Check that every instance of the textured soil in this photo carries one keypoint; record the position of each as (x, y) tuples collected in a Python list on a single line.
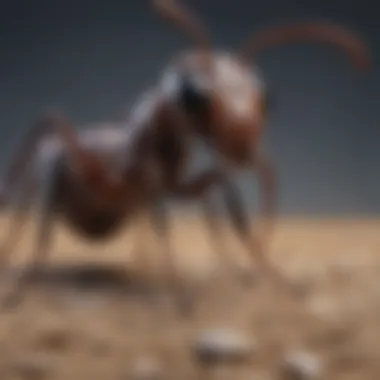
[(99, 310)]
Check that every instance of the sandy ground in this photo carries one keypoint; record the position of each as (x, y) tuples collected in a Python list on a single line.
[(64, 331)]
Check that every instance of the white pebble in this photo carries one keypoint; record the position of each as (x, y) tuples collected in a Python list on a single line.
[(146, 368), (301, 365), (33, 367), (323, 307), (223, 345)]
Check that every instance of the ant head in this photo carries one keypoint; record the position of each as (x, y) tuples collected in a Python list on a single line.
[(220, 91), (221, 95)]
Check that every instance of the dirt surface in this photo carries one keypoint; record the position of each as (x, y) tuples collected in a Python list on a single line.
[(91, 317)]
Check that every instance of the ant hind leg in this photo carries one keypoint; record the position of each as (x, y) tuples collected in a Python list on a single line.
[(45, 213)]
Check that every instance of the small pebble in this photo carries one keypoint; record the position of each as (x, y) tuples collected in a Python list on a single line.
[(100, 347), (223, 345), (55, 339), (334, 335), (258, 375), (341, 271), (146, 368), (32, 367), (301, 365), (80, 301), (323, 307)]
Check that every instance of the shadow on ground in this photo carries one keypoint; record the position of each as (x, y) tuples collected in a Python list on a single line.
[(104, 278)]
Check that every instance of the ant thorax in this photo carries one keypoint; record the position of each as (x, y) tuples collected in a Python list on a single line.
[(236, 85)]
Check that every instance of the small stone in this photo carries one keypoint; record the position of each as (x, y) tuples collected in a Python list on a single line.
[(301, 365), (341, 271), (33, 367), (54, 339), (100, 347), (323, 307), (303, 287), (349, 358), (258, 375), (334, 335), (223, 345), (146, 368)]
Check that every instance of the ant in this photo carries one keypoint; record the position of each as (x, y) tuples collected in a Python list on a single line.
[(95, 181), (96, 185), (216, 95)]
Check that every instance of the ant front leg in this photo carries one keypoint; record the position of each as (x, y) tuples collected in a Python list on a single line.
[(195, 189), (199, 188), (242, 224), (160, 219), (215, 229), (267, 177)]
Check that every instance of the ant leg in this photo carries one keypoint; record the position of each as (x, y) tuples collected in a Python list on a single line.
[(139, 249), (44, 224), (161, 224), (18, 221), (268, 192), (215, 231), (199, 187), (242, 227), (141, 256), (267, 177)]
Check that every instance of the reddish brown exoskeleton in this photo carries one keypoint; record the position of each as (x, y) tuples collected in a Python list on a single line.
[(95, 181), (219, 96), (98, 179)]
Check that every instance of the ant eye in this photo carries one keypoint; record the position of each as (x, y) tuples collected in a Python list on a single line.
[(193, 98)]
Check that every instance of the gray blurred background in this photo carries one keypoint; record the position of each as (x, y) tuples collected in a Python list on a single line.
[(93, 58)]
